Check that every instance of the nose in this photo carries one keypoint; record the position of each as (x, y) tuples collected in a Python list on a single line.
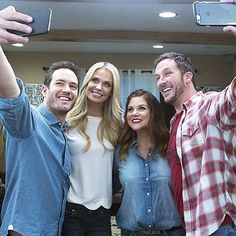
[(135, 111), (160, 81), (66, 89), (99, 86)]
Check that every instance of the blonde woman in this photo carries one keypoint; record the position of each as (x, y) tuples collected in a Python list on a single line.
[(94, 126)]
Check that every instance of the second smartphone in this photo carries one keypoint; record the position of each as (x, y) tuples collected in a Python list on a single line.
[(214, 13)]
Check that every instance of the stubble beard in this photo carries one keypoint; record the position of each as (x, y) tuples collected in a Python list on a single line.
[(60, 110), (175, 97), (171, 98)]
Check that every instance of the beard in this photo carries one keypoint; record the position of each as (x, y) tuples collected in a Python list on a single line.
[(178, 91), (57, 108), (171, 99), (59, 111)]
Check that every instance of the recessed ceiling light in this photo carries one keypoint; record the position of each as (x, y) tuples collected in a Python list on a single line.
[(158, 46), (167, 14), (18, 44)]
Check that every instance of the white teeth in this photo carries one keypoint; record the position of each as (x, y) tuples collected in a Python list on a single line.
[(167, 89), (64, 98), (136, 120), (97, 94)]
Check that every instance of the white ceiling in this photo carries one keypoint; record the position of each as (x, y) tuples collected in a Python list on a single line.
[(125, 26)]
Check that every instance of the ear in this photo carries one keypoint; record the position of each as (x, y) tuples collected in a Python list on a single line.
[(188, 77), (44, 90)]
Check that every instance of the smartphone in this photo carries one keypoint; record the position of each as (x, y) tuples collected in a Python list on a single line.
[(41, 22), (214, 13)]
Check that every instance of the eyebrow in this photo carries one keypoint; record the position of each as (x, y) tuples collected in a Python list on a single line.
[(65, 80), (107, 81), (139, 105), (166, 69)]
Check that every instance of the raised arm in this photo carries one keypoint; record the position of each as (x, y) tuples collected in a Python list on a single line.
[(229, 29), (8, 20)]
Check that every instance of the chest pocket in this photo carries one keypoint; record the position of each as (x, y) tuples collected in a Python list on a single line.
[(190, 128), (192, 133)]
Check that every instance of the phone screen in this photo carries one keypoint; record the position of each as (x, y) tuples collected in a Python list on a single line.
[(214, 13), (41, 22)]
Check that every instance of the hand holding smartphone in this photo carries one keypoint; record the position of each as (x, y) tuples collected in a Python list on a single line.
[(40, 25), (214, 13)]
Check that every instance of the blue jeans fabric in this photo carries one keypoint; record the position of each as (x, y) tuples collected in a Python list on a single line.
[(80, 221), (146, 184), (225, 230), (177, 231)]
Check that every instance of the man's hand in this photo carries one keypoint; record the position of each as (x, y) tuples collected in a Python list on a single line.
[(229, 29), (9, 19)]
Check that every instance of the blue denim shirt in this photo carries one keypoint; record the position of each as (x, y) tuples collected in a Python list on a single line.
[(147, 201), (37, 169)]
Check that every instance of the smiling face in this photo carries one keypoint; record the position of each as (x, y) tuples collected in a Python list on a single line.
[(138, 114), (170, 81), (99, 87), (62, 92)]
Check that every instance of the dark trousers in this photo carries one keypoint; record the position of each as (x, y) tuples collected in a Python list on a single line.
[(177, 231), (80, 221)]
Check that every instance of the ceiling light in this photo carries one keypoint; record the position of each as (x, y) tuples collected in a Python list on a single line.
[(167, 14), (158, 46), (18, 44)]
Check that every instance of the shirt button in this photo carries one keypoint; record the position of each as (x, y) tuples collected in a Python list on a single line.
[(149, 226), (146, 164), (148, 194), (10, 227), (146, 179), (149, 210)]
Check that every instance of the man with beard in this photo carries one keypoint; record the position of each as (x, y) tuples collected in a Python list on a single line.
[(202, 147)]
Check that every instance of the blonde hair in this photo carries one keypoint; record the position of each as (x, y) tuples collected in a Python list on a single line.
[(110, 125)]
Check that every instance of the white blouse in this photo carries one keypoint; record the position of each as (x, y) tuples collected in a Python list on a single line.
[(91, 173)]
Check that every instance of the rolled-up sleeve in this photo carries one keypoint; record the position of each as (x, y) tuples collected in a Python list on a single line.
[(15, 114)]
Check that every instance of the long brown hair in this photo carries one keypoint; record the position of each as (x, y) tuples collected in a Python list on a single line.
[(157, 130)]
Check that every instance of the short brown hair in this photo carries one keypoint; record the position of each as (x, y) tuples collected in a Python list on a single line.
[(183, 62), (58, 65)]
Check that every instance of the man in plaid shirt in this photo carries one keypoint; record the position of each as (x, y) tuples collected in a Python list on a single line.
[(202, 147)]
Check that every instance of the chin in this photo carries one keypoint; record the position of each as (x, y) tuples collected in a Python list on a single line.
[(65, 109), (168, 99)]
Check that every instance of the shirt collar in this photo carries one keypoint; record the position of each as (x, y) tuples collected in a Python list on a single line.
[(50, 118), (187, 105), (134, 143), (190, 102)]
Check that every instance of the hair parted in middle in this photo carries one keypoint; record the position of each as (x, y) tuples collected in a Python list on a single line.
[(111, 122), (157, 129)]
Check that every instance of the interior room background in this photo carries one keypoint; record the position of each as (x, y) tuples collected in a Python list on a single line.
[(136, 70)]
